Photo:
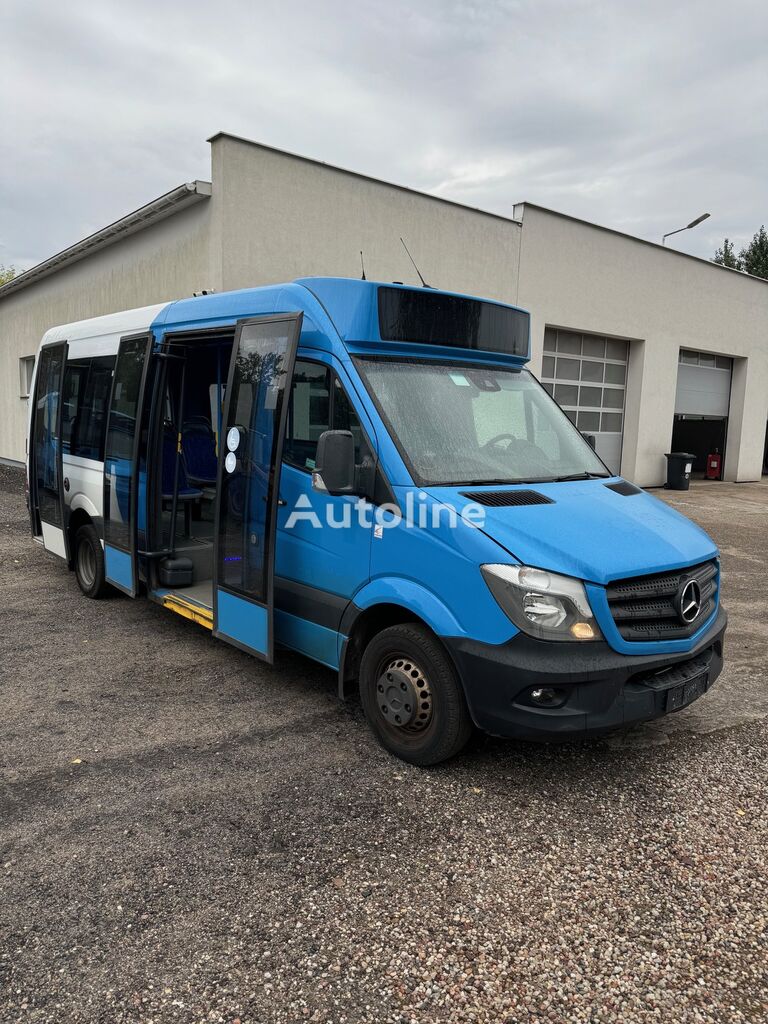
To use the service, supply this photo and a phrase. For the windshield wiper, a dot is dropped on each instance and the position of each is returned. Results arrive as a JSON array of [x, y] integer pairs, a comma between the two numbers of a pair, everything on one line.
[[506, 480], [582, 476]]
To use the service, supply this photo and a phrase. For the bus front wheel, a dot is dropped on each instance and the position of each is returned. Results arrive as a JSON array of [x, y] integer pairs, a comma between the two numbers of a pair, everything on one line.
[[412, 697], [89, 562]]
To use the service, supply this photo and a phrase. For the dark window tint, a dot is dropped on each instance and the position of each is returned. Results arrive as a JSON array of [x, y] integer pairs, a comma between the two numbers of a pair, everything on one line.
[[84, 415], [46, 433], [75, 377], [431, 318], [119, 479]]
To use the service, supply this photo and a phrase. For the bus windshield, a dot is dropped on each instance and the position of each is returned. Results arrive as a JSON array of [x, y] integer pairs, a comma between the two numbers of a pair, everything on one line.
[[458, 424]]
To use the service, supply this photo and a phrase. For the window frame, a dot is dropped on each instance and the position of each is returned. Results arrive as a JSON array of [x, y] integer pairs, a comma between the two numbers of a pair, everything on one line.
[[89, 364], [333, 379], [418, 479], [26, 379], [551, 381]]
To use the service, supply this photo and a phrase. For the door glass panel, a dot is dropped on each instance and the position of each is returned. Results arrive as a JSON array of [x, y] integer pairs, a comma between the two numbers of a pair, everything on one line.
[[613, 398], [47, 440], [615, 373], [592, 371], [594, 346], [256, 395], [570, 343], [568, 369], [119, 482]]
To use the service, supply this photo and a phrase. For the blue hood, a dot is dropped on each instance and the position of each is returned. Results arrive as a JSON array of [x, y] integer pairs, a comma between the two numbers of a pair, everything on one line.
[[590, 531]]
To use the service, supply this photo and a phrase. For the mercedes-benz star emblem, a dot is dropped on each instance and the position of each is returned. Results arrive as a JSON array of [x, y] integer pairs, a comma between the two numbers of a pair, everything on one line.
[[688, 601]]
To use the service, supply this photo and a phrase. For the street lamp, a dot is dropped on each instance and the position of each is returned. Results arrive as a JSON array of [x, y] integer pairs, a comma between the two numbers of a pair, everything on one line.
[[687, 226]]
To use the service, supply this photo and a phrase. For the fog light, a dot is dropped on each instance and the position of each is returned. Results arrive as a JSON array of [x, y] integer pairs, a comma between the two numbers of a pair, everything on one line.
[[582, 631], [547, 696]]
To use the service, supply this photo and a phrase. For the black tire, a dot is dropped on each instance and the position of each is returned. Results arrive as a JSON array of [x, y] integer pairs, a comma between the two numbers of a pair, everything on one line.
[[405, 674], [89, 563]]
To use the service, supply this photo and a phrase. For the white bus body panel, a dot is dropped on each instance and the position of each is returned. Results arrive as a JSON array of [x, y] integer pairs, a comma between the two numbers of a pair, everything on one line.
[[99, 336]]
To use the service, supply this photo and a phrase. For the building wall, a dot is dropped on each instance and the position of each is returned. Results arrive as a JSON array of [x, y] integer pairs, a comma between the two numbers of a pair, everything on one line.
[[574, 275], [282, 217], [165, 261], [273, 216]]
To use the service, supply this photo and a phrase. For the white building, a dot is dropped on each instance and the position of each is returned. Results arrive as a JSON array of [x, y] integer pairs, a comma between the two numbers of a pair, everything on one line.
[[647, 348]]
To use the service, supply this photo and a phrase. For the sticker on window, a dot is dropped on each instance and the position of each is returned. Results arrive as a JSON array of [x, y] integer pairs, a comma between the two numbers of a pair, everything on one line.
[[460, 379], [309, 463]]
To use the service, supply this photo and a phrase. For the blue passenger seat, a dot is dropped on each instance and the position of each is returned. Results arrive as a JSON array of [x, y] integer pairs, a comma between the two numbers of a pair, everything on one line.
[[199, 449], [187, 495]]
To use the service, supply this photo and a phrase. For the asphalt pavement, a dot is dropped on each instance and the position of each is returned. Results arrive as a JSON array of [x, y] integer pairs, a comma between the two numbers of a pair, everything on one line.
[[188, 835]]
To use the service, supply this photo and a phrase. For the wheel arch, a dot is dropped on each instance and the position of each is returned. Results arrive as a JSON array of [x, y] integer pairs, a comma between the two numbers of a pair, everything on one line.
[[78, 517], [360, 625]]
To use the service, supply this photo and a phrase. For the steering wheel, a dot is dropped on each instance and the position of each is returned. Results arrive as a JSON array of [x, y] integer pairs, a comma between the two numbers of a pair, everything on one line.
[[499, 437], [521, 449]]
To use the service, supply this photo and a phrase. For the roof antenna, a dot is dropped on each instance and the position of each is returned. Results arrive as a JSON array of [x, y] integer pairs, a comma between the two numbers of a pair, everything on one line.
[[413, 261], [362, 267]]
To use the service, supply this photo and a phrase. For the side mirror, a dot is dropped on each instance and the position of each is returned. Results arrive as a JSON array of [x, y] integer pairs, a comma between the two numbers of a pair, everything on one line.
[[334, 471], [590, 439]]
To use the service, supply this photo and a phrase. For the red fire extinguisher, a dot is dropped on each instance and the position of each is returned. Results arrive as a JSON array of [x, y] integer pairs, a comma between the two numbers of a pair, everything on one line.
[[714, 465]]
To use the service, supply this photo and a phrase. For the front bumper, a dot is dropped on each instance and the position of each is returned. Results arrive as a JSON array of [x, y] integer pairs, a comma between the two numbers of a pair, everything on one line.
[[604, 689]]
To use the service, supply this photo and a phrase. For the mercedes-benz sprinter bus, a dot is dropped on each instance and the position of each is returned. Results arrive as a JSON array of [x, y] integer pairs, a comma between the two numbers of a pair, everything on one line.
[[368, 474]]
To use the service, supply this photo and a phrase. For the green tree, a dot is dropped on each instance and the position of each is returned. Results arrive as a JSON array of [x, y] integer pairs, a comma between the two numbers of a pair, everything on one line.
[[754, 259], [727, 257], [6, 274]]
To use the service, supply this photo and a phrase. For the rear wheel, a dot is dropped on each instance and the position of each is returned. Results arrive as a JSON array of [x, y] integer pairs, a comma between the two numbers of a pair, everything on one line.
[[412, 697], [89, 562]]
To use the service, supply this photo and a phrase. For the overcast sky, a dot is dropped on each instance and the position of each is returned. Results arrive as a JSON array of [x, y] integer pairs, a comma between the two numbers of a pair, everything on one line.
[[637, 115]]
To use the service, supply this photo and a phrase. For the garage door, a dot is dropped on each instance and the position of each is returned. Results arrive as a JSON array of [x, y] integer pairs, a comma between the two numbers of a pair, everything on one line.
[[703, 384], [587, 375]]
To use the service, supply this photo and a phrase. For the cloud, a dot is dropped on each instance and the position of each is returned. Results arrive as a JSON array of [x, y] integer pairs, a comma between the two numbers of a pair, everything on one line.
[[638, 116]]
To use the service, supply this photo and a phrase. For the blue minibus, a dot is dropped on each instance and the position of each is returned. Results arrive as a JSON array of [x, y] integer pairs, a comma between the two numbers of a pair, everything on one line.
[[367, 473]]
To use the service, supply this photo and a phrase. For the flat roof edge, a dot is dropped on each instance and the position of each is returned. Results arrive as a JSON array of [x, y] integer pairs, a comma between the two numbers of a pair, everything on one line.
[[636, 238], [145, 216], [363, 177]]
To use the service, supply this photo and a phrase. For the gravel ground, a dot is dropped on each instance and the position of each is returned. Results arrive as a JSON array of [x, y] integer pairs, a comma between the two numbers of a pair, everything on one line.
[[187, 835]]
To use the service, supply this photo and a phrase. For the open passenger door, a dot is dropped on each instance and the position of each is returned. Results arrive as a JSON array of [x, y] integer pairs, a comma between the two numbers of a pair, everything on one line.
[[250, 457], [46, 494], [123, 477]]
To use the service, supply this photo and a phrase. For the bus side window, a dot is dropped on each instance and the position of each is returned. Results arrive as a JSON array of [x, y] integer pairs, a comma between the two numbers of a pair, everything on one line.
[[308, 413], [75, 376], [87, 384], [345, 418], [319, 402]]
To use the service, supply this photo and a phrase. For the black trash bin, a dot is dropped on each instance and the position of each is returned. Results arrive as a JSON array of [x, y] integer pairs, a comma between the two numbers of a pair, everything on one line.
[[679, 466]]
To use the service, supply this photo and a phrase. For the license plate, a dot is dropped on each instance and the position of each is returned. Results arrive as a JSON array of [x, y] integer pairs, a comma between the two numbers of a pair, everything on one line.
[[680, 696]]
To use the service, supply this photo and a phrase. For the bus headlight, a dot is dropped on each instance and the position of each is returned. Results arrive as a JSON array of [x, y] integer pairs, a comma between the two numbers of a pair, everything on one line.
[[542, 604]]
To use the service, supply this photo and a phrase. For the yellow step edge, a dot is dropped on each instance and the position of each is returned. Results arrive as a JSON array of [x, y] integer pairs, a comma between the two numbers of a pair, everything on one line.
[[202, 616]]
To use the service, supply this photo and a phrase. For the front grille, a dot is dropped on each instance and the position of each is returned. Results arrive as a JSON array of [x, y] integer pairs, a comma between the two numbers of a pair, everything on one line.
[[644, 607]]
